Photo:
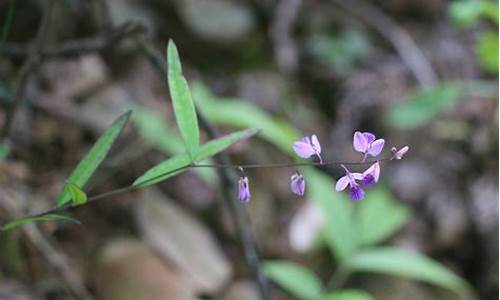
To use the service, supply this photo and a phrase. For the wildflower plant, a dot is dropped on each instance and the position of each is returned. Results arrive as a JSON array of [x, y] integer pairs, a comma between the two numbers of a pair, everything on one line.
[[341, 231]]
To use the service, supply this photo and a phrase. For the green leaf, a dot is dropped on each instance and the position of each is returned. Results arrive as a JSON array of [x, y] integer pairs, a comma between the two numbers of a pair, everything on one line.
[[156, 133], [184, 109], [348, 294], [87, 166], [77, 195], [27, 220], [294, 278], [379, 216], [422, 106], [177, 164], [340, 231], [163, 170], [487, 51], [220, 144], [241, 114], [406, 264]]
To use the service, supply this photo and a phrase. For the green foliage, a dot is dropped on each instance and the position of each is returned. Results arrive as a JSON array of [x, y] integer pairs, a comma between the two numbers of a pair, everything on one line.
[[241, 114], [379, 216], [466, 13], [184, 109], [406, 264], [4, 151], [33, 219], [423, 105], [156, 133], [340, 231], [349, 294], [78, 197], [220, 144], [487, 51], [163, 170], [176, 164], [295, 279], [87, 166]]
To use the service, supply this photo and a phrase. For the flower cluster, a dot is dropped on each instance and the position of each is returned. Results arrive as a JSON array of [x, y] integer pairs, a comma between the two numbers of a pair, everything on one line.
[[363, 142]]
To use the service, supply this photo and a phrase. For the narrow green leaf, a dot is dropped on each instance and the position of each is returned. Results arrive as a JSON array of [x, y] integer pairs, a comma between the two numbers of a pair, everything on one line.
[[184, 109], [423, 105], [156, 133], [87, 166], [78, 196], [242, 114], [220, 144], [295, 279], [27, 220], [340, 231], [487, 50], [163, 170], [348, 294], [178, 163], [406, 264], [375, 224]]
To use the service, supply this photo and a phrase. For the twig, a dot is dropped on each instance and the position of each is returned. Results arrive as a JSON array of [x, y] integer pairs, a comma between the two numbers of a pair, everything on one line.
[[285, 49], [28, 67], [77, 46], [239, 215], [402, 42]]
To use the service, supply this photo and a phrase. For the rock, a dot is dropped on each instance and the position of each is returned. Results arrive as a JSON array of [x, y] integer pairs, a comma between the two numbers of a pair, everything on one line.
[[73, 78], [217, 20], [182, 241], [128, 270]]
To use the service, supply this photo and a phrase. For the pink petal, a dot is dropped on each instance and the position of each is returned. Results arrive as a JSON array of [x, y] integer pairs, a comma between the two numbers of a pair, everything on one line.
[[359, 142], [342, 183], [376, 147], [315, 143], [303, 150], [369, 137]]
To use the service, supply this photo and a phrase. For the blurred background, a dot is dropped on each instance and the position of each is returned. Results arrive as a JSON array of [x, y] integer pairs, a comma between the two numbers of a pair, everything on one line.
[[418, 73]]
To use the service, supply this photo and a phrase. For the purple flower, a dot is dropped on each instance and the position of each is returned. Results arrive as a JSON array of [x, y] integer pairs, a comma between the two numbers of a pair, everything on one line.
[[307, 147], [372, 174], [367, 144], [398, 154], [298, 184], [243, 189], [355, 191]]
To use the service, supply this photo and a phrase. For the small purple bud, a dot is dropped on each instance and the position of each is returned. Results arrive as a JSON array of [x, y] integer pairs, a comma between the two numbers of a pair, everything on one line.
[[243, 189], [298, 184], [356, 193], [398, 154]]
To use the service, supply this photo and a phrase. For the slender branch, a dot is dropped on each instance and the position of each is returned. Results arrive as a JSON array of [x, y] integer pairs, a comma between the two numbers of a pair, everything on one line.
[[77, 46], [28, 67]]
